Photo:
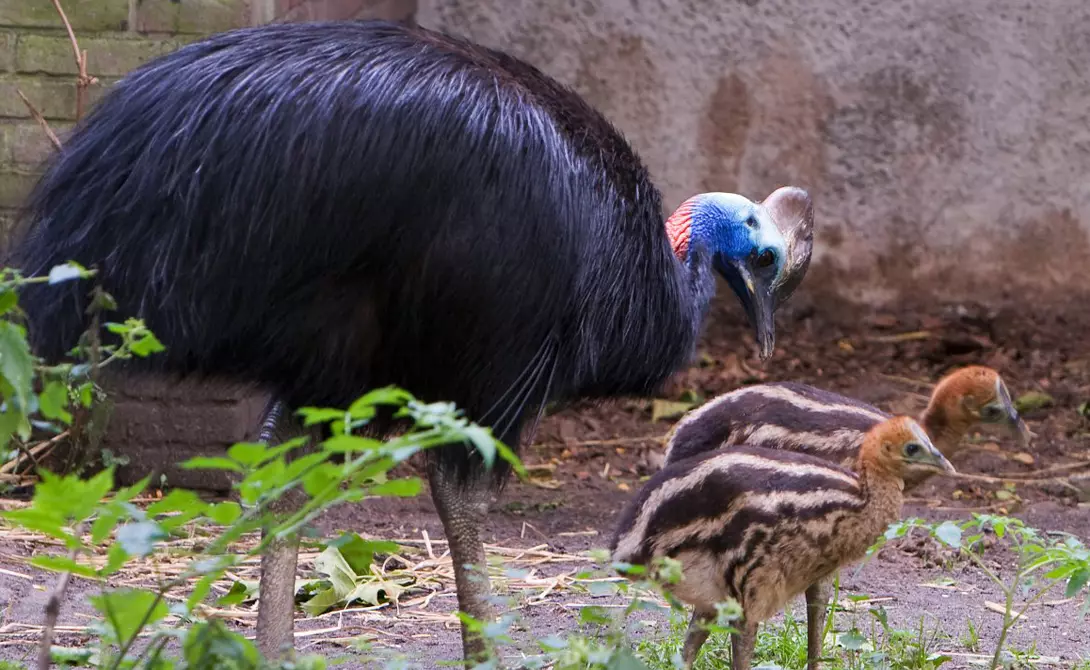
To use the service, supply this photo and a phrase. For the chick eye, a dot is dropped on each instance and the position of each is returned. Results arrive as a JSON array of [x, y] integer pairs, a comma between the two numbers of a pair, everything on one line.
[[766, 258], [991, 413], [911, 449]]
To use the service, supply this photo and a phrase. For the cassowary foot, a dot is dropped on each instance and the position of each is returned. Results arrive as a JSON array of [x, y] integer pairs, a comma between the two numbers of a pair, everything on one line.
[[742, 645], [817, 600], [462, 510], [696, 636]]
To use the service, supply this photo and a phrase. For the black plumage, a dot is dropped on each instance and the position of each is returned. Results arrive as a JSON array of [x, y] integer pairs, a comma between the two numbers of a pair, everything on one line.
[[319, 209]]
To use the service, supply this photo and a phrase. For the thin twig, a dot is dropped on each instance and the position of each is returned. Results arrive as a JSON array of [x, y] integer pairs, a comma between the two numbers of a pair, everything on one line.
[[39, 450], [53, 609], [40, 119], [83, 80]]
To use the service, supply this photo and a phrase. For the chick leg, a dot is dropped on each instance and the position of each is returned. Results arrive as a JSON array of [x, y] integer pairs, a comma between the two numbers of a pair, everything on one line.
[[817, 601], [742, 644], [276, 607], [462, 508], [696, 636]]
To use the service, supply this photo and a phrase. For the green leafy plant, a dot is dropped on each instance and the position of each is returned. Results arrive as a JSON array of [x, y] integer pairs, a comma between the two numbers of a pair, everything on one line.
[[1044, 562], [44, 404], [83, 514]]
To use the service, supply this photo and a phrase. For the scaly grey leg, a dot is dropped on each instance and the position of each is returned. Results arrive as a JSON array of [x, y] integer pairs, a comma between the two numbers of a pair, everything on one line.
[[817, 601], [276, 604], [462, 509], [696, 636], [742, 645]]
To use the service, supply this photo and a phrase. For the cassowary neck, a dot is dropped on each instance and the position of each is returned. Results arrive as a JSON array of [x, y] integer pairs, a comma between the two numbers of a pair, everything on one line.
[[688, 241]]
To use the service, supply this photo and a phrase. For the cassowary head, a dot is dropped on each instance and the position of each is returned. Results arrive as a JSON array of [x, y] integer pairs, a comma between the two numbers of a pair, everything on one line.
[[899, 444], [762, 249]]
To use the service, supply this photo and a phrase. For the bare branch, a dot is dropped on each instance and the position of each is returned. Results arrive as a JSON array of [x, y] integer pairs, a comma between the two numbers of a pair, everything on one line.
[[53, 612], [40, 119], [83, 80]]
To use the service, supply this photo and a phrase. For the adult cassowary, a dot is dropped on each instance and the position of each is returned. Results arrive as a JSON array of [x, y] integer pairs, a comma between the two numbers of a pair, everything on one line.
[[319, 209]]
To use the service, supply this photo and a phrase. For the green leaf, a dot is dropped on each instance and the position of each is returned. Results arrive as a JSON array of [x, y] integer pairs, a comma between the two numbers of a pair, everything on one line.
[[389, 395], [16, 363], [624, 659], [593, 614], [358, 553], [339, 444], [65, 272], [53, 401], [104, 524], [248, 453], [225, 513], [853, 640], [320, 478], [402, 488], [139, 539], [8, 299], [949, 533], [332, 564], [321, 602], [63, 564], [178, 500], [115, 559], [125, 609], [210, 463], [1076, 582], [147, 344], [313, 415], [71, 656], [201, 589], [483, 442], [239, 592]]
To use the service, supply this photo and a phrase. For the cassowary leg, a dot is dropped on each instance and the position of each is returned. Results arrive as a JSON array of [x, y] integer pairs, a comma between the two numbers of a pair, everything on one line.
[[696, 636], [276, 604], [462, 508], [817, 600], [742, 645]]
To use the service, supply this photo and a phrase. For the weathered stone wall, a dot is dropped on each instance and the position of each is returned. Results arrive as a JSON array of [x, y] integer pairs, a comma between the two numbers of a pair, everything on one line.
[[947, 145], [36, 58], [154, 423]]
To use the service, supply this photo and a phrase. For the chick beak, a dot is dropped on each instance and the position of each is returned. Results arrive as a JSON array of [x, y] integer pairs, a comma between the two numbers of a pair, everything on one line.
[[1018, 428], [941, 462]]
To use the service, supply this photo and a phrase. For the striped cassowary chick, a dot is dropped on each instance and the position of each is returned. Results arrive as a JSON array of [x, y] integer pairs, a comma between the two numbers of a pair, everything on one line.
[[805, 419], [798, 417], [763, 525]]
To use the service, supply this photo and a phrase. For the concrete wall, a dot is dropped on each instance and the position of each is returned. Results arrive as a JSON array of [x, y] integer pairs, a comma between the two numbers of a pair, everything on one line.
[[946, 144]]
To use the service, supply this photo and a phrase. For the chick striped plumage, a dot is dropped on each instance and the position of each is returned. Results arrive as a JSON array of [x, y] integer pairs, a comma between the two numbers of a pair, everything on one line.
[[748, 520]]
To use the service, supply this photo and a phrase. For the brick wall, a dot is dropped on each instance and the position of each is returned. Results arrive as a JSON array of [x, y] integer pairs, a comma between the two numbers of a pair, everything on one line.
[[154, 423]]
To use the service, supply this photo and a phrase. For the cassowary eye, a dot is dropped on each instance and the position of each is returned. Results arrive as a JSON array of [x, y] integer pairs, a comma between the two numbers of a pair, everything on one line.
[[911, 449], [766, 258]]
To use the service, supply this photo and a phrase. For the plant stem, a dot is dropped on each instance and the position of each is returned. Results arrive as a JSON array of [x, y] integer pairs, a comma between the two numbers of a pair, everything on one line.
[[143, 622], [53, 610]]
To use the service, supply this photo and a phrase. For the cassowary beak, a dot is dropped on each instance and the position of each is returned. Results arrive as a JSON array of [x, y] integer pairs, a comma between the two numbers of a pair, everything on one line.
[[758, 301]]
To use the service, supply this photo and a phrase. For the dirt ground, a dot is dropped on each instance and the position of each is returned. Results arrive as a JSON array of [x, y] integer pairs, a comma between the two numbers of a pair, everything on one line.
[[591, 458]]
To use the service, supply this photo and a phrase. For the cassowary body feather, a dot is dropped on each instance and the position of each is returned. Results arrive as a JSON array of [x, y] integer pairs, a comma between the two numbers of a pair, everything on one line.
[[319, 209]]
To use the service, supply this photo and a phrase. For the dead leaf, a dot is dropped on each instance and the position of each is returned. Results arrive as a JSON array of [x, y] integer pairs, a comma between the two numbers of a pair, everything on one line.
[[902, 337], [1023, 457], [669, 409], [1000, 609]]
